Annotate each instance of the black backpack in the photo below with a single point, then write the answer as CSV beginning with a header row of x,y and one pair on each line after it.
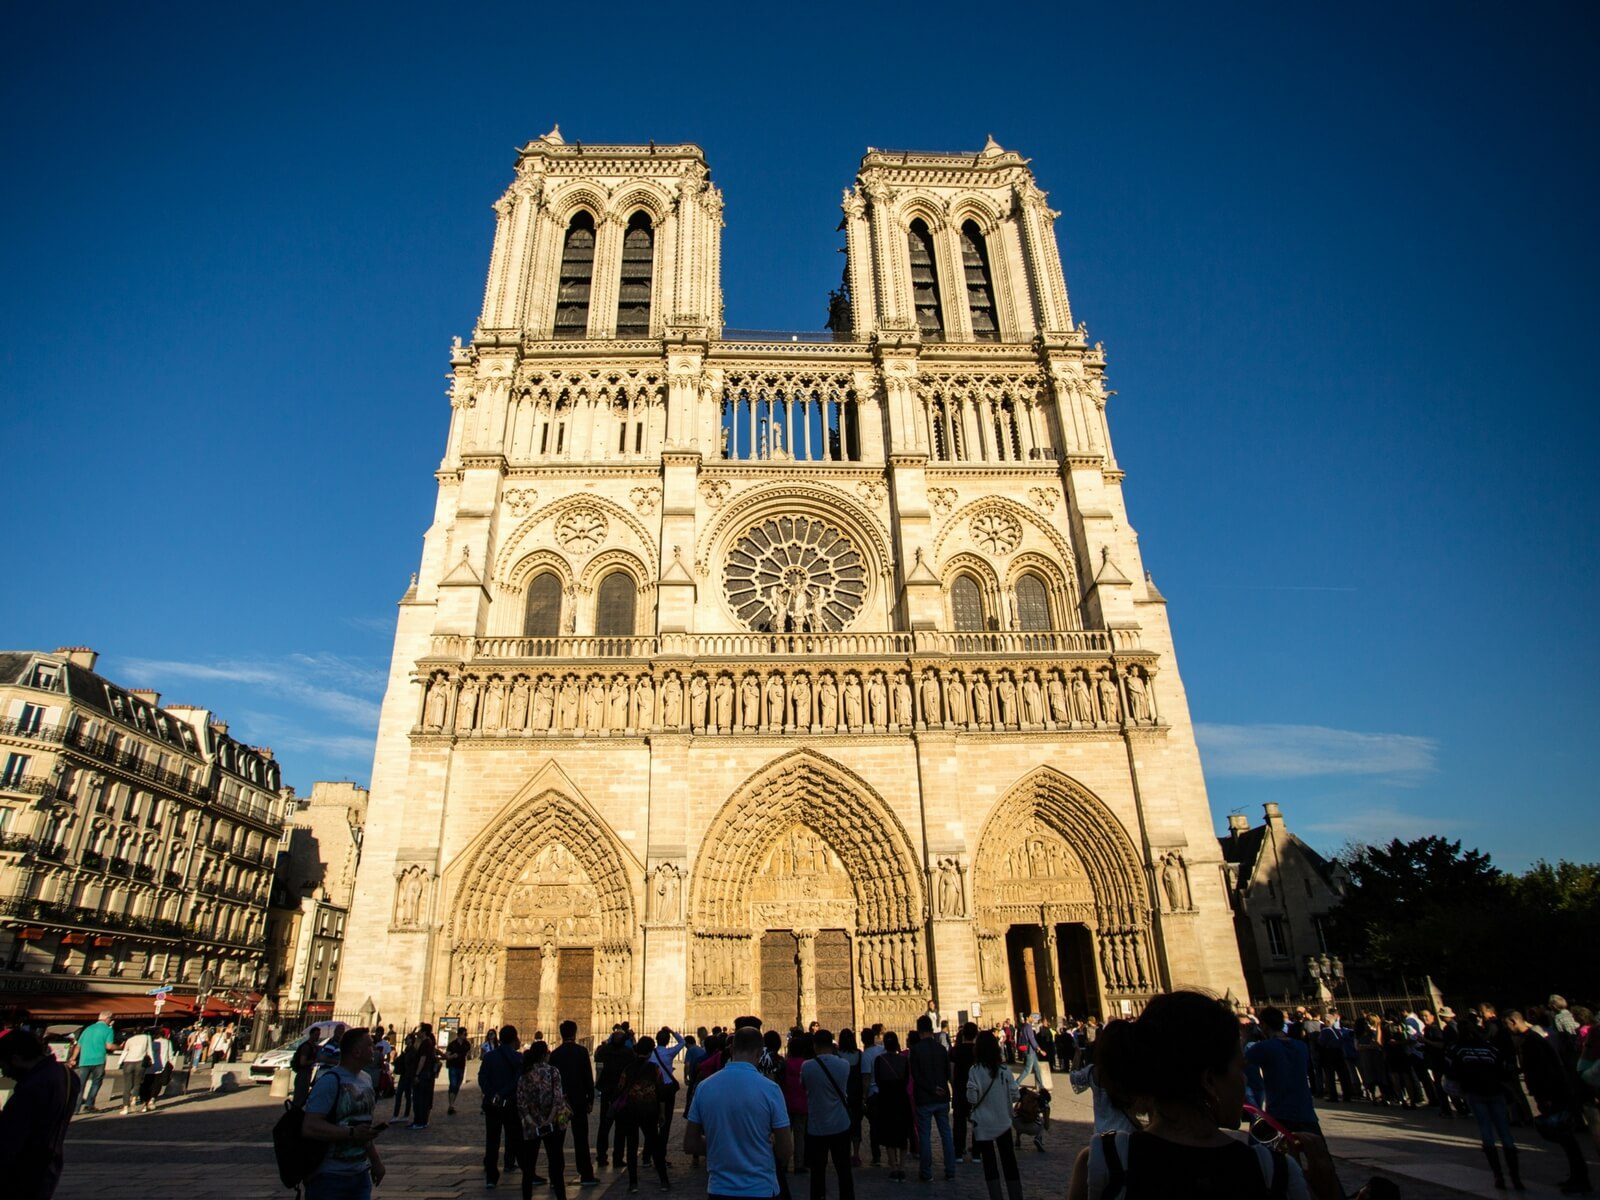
x,y
298,1156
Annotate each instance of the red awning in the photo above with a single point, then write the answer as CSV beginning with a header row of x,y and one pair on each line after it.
x,y
80,1006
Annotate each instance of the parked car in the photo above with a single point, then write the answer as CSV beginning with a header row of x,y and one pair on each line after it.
x,y
267,1065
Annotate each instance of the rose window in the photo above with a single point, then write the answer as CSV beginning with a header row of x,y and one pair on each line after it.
x,y
581,529
794,575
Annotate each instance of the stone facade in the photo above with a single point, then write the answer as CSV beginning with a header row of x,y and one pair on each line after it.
x,y
1283,892
810,673
311,893
136,843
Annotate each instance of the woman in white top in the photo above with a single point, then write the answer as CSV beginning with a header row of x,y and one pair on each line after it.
x,y
1109,1116
159,1070
136,1056
991,1091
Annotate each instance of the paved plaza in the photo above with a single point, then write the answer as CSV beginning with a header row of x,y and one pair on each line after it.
x,y
211,1144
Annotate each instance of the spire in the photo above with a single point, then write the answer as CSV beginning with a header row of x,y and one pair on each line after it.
x,y
991,148
554,137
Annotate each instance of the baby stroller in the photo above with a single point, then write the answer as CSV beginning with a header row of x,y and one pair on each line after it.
x,y
1031,1115
385,1081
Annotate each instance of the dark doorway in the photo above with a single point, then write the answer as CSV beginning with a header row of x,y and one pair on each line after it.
x,y
836,996
574,988
521,1006
1075,968
780,979
1030,982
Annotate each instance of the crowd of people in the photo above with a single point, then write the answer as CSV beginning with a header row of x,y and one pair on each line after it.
x,y
763,1108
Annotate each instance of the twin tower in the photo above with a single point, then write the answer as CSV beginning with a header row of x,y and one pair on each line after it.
x,y
813,674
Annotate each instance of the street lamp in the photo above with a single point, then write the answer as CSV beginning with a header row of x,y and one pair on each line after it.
x,y
1327,973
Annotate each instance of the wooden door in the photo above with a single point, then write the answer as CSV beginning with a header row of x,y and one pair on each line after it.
x,y
574,989
836,996
780,980
521,1003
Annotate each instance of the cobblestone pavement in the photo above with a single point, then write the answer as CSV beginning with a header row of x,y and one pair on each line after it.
x,y
211,1144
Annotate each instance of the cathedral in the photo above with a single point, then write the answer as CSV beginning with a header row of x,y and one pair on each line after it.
x,y
810,674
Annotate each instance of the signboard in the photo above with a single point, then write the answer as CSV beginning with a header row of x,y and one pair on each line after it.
x,y
448,1025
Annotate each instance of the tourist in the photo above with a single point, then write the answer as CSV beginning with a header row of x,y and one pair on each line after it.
x,y
961,1058
577,1082
801,1051
89,1056
930,1077
135,1061
1398,1062
1370,1060
1283,1066
498,1076
157,1074
304,1066
853,1090
610,1060
1435,1038
825,1079
1329,1051
667,1088
1028,1046
426,1071
739,1121
542,1109
339,1112
405,1070
1483,1075
1181,1063
222,1047
1045,1035
640,1103
1110,1112
891,1114
491,1038
990,1090
456,1053
1560,1112
871,1051
33,1125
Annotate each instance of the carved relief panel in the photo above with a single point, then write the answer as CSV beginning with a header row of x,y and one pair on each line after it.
x,y
553,895
802,882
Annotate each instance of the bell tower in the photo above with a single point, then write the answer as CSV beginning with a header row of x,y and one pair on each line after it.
x,y
953,248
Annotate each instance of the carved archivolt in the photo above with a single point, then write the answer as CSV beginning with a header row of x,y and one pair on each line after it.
x,y
530,564
806,789
1027,519
523,538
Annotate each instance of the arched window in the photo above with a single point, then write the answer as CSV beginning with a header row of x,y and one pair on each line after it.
x,y
1033,604
577,276
614,605
925,281
980,287
966,605
542,618
638,262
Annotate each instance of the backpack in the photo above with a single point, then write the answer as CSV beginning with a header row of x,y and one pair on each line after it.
x,y
298,1156
639,1097
1029,1110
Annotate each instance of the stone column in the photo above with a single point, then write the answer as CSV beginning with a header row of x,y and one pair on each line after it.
x,y
807,939
1052,963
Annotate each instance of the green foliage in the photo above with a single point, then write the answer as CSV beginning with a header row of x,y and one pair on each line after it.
x,y
1428,907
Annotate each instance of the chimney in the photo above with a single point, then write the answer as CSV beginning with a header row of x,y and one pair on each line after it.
x,y
1238,823
1274,814
220,728
265,752
80,656
150,697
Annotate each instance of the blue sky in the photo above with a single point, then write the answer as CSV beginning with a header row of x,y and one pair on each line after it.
x,y
1342,262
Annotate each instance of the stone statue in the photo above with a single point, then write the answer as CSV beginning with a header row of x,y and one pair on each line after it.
x,y
955,699
1082,702
594,705
617,705
750,702
517,721
672,703
950,902
1060,710
467,707
776,697
828,703
852,701
1138,696
877,701
644,704
494,712
902,701
722,694
800,701
698,702
1006,690
567,709
666,893
437,699
1032,700
1108,699
980,699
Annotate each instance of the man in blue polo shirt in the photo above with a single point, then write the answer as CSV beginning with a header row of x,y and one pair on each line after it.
x,y
739,1121
1281,1066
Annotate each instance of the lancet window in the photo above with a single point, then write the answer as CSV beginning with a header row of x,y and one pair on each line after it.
x,y
780,417
614,606
993,420
980,285
542,616
1033,604
925,281
966,605
638,266
577,278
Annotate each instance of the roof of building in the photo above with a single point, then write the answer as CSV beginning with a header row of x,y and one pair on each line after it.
x,y
1243,849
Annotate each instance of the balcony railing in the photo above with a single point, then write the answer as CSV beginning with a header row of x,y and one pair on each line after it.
x,y
76,917
34,785
32,729
739,646
126,760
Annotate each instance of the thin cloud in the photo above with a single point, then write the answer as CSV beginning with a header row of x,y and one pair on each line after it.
x,y
341,688
1374,825
288,736
1304,751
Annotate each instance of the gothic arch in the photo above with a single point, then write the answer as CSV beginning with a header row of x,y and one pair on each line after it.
x,y
563,203
923,205
1091,830
981,572
978,209
514,548
1065,560
1058,584
858,824
639,195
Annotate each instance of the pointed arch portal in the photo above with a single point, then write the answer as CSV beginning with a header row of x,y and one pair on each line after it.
x,y
806,902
